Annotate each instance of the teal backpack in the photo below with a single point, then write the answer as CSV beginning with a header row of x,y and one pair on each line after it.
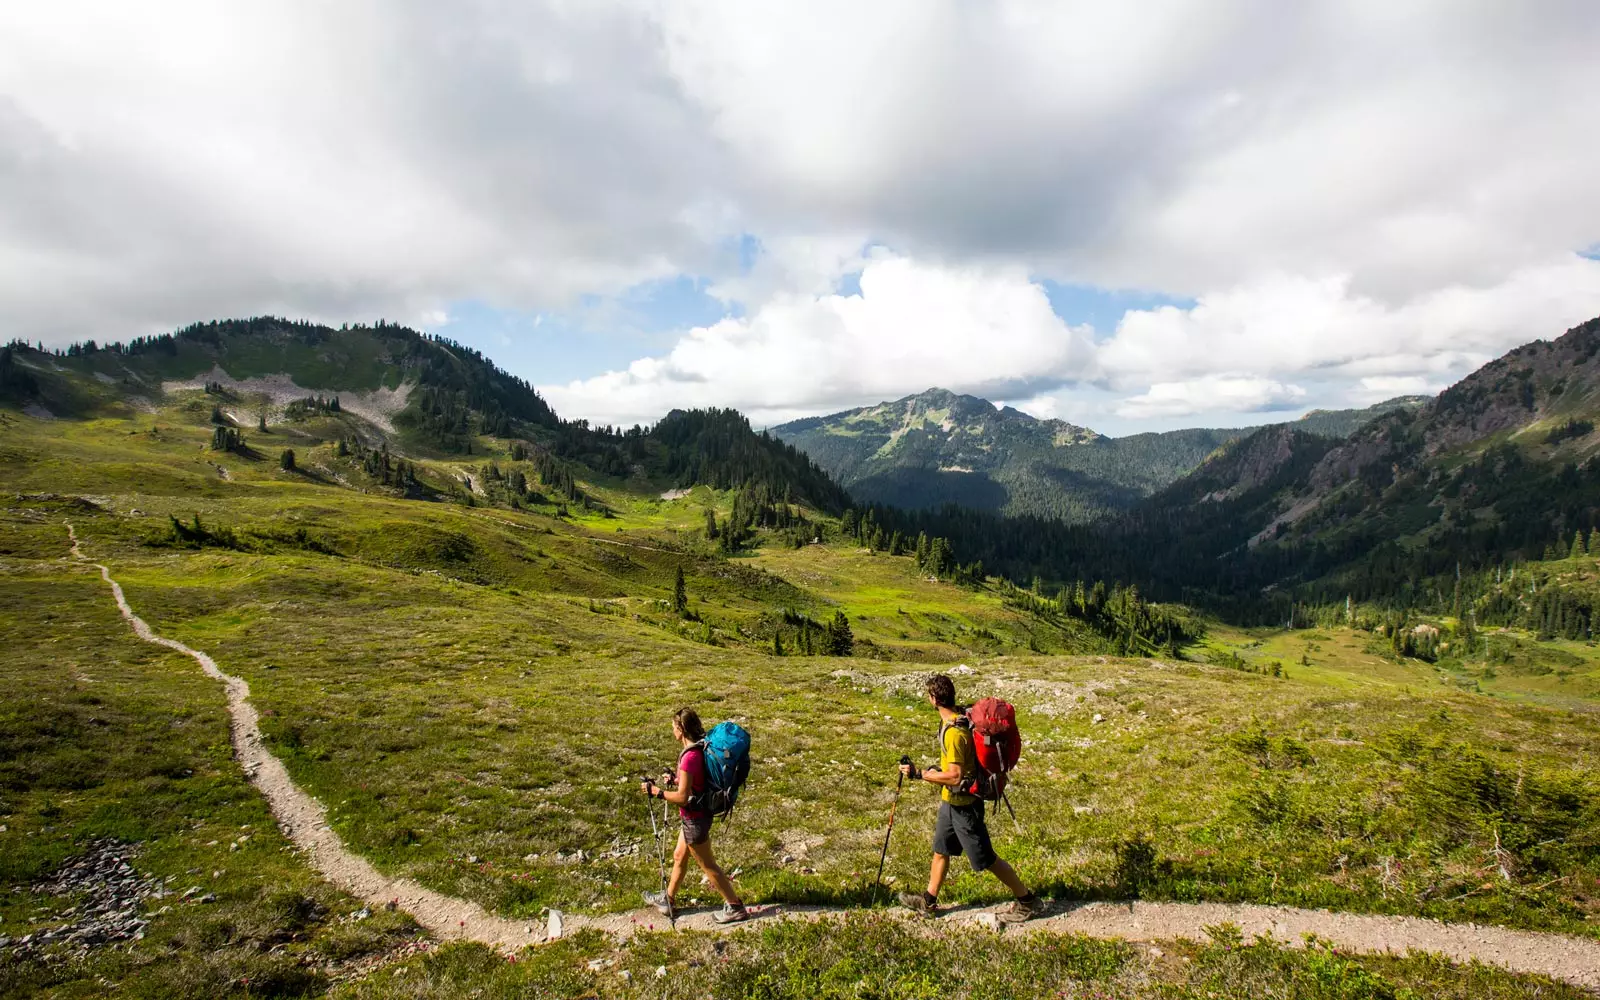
x,y
727,750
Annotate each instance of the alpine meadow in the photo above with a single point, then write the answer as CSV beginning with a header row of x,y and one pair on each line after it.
x,y
908,501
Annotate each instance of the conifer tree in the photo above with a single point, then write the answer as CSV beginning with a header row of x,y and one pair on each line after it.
x,y
840,640
286,460
680,594
777,643
1577,546
711,524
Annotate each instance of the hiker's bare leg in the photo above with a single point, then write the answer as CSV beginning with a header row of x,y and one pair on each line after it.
x,y
680,864
708,864
937,872
1008,875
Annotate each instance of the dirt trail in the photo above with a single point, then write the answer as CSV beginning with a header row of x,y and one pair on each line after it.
x,y
1570,959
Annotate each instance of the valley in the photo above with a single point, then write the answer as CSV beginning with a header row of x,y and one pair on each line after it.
x,y
470,672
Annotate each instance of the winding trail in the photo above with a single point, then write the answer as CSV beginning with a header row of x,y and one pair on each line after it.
x,y
304,820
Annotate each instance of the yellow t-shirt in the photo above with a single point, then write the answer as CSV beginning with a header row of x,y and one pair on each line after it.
x,y
956,748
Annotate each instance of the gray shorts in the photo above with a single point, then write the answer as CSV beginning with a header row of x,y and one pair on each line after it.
x,y
696,829
961,830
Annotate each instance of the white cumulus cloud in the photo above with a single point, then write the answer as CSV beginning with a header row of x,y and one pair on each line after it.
x,y
1284,324
986,330
1346,190
1212,393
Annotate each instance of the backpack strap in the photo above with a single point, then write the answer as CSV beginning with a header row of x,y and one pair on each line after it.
x,y
961,722
698,800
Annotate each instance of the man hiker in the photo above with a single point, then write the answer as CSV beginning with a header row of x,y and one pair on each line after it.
x,y
961,828
684,790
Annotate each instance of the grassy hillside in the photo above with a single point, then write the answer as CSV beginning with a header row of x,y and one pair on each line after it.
x,y
473,686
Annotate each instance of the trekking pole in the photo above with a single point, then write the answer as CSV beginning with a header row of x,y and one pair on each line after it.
x,y
899,784
661,857
672,921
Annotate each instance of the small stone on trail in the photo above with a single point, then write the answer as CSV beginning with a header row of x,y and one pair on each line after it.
x,y
596,964
1157,953
362,913
209,897
472,859
987,920
1098,717
661,972
788,859
553,929
625,975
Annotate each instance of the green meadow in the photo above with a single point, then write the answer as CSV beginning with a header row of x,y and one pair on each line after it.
x,y
474,686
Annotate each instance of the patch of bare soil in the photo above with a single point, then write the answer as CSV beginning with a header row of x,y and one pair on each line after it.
x,y
376,406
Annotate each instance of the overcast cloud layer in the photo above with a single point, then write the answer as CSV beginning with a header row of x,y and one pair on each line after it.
x,y
1359,198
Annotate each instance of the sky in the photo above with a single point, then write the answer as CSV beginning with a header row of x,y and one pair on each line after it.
x,y
1132,217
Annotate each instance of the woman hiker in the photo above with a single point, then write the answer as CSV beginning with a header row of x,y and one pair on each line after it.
x,y
683,790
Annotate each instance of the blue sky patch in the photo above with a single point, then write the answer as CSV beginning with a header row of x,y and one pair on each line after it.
x,y
1102,308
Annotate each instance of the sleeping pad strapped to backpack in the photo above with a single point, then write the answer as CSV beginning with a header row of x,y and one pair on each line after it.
x,y
997,743
727,750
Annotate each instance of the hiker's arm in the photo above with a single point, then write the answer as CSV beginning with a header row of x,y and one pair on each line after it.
x,y
934,776
680,795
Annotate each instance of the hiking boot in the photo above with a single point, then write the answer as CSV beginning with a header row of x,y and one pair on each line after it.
x,y
663,904
730,914
919,902
1026,908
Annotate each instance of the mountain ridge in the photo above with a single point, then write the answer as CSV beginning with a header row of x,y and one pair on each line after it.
x,y
937,447
427,395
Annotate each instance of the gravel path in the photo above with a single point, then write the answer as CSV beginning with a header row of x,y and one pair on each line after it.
x,y
303,819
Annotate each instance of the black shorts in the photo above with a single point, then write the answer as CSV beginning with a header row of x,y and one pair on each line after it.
x,y
961,830
696,829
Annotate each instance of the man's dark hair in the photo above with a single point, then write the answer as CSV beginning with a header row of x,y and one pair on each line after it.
x,y
943,691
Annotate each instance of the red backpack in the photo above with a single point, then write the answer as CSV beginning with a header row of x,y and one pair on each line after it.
x,y
997,743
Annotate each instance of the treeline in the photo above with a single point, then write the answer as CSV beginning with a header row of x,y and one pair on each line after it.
x,y
377,463
557,475
1542,599
16,382
1131,625
310,406
755,508
934,555
803,635
228,439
